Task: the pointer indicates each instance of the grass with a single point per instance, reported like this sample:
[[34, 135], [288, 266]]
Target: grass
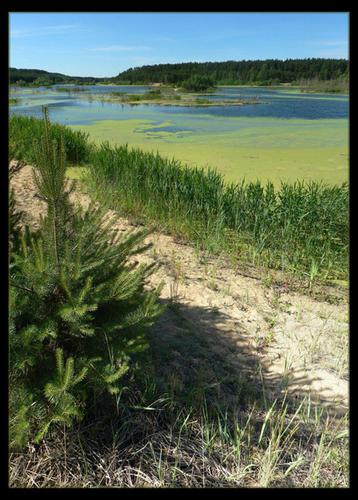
[[76, 172], [25, 130], [170, 439], [300, 228]]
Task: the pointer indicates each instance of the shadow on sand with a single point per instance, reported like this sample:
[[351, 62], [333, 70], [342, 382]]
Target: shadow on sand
[[196, 354]]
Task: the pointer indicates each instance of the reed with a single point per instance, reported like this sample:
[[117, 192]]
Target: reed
[[25, 130], [296, 227]]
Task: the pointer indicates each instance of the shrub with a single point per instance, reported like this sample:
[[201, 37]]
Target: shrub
[[198, 83], [78, 307]]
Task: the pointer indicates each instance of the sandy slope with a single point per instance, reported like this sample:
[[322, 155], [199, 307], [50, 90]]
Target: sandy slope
[[291, 340]]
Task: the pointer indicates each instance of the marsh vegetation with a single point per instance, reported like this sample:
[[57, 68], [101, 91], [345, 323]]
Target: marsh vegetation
[[300, 228]]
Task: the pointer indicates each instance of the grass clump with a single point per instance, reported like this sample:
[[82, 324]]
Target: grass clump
[[25, 130]]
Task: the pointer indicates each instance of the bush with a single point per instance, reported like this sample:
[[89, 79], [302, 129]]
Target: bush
[[78, 307], [198, 83]]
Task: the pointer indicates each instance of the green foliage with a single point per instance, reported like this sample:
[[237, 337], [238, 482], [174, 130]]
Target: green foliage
[[198, 83], [286, 228], [36, 77], [24, 130], [78, 307], [134, 97], [268, 72], [338, 85]]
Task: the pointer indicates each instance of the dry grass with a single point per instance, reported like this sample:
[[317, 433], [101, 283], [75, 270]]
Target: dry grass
[[164, 447]]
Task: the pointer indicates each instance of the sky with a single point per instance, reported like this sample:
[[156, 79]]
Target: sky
[[104, 44]]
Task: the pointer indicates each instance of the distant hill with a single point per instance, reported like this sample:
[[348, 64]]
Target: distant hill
[[45, 77], [263, 72]]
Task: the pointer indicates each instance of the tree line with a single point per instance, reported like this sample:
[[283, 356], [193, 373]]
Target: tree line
[[240, 72], [42, 78], [265, 72]]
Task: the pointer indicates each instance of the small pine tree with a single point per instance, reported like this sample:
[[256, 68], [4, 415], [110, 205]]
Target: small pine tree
[[78, 307]]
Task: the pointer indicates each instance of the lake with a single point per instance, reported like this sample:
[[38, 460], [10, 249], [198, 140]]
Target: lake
[[287, 136]]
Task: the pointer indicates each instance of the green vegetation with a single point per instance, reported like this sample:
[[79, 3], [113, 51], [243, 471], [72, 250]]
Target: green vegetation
[[186, 95], [153, 94], [169, 95], [25, 130], [334, 86], [157, 95], [180, 414], [78, 308], [184, 439], [14, 100], [266, 72], [37, 77], [200, 100], [150, 94], [295, 228], [198, 83]]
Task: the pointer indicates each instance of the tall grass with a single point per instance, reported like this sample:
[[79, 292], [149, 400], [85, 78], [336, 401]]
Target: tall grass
[[300, 227], [24, 130]]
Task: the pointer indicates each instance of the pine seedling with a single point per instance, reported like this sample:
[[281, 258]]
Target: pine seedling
[[74, 296]]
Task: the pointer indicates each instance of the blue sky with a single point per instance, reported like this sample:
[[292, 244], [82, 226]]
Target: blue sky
[[103, 44]]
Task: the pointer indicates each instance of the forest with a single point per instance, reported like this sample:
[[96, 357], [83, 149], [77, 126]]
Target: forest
[[269, 71], [265, 72], [37, 77]]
